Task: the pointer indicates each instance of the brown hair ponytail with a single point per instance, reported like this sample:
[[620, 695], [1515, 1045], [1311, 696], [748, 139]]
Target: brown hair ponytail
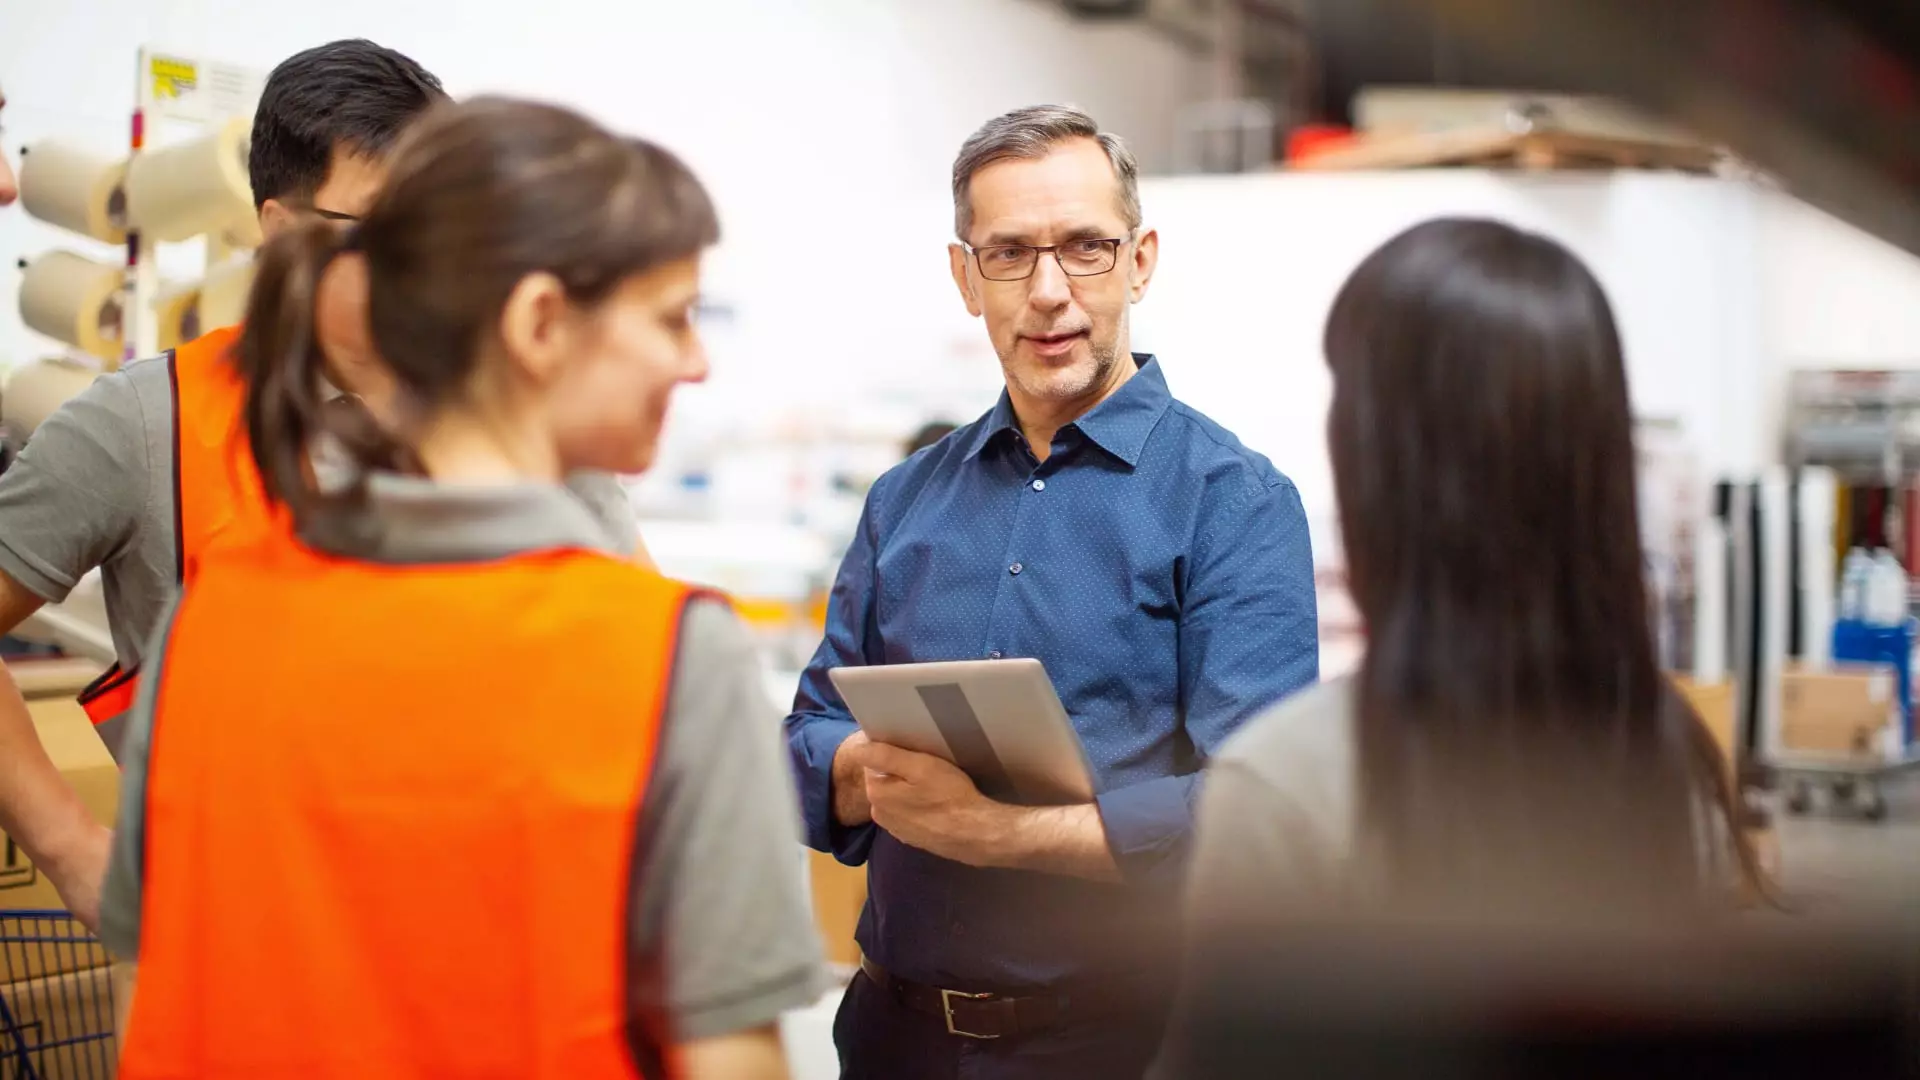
[[282, 360]]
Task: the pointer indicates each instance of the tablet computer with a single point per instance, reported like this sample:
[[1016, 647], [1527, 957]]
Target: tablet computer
[[998, 720]]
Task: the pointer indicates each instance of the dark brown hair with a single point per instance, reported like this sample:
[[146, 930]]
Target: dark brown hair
[[1516, 734], [480, 195], [352, 95]]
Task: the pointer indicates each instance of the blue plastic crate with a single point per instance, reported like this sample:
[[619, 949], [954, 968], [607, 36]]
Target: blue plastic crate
[[58, 1025]]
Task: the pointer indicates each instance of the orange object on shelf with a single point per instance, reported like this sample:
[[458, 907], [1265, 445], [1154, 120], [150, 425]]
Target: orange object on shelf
[[1310, 139]]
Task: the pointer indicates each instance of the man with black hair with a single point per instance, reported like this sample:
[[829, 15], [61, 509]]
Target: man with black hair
[[142, 470]]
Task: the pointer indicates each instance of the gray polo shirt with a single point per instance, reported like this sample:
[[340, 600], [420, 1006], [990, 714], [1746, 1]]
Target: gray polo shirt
[[719, 906], [95, 488]]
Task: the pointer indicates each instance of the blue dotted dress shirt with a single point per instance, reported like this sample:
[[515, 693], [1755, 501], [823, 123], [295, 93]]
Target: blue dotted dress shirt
[[1161, 572]]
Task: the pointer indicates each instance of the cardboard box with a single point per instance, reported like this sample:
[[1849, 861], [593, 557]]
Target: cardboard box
[[1715, 704], [81, 757], [65, 1025], [839, 893], [1845, 712]]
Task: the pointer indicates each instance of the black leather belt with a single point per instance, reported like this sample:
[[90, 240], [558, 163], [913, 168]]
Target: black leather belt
[[977, 1016]]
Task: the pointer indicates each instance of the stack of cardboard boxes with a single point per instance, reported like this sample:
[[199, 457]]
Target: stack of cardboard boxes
[[58, 985]]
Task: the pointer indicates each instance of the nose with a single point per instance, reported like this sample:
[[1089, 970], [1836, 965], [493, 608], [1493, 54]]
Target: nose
[[9, 188], [696, 368], [1048, 288]]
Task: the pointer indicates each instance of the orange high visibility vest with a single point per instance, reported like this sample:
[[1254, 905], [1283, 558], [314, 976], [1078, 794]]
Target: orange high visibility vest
[[421, 867], [215, 485]]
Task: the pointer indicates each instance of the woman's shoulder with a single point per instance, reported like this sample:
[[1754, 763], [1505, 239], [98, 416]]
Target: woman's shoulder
[[1304, 733]]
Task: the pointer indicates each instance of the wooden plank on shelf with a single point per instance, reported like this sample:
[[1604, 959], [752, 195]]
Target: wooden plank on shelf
[[1498, 148]]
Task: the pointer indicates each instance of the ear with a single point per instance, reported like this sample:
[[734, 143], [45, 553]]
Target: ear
[[1146, 258], [275, 216], [962, 280], [538, 326], [346, 335]]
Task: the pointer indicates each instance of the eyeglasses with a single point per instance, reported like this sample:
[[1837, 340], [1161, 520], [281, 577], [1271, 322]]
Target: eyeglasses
[[1077, 258]]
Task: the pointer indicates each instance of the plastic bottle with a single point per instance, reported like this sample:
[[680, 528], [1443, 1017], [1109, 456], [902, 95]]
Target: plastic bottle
[[1887, 596], [1854, 576]]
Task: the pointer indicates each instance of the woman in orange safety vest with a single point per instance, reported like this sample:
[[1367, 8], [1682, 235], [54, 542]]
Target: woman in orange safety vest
[[425, 784]]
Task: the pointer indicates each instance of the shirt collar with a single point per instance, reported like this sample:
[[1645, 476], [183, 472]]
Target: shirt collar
[[1119, 425], [411, 519]]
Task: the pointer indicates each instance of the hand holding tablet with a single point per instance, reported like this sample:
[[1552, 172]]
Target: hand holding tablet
[[1000, 721]]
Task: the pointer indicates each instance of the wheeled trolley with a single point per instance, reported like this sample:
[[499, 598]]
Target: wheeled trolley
[[1846, 780], [57, 1006]]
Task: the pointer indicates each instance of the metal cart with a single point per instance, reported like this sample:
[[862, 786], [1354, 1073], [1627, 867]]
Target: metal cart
[[1865, 426], [1855, 780], [1854, 775], [57, 1026]]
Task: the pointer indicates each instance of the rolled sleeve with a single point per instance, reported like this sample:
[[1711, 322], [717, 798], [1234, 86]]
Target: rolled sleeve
[[1249, 637], [1147, 826], [78, 492], [820, 721]]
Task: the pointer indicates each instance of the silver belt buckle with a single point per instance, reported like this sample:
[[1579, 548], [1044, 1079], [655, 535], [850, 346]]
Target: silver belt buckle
[[946, 1005]]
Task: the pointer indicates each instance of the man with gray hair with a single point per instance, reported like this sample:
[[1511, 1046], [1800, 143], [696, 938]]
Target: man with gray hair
[[1159, 570]]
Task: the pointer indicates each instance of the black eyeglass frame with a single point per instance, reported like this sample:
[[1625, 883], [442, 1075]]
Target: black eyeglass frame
[[1113, 246]]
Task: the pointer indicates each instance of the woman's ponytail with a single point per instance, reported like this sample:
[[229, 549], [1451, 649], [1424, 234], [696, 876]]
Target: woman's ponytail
[[282, 361]]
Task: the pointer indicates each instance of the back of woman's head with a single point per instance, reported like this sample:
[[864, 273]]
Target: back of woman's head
[[498, 216], [1482, 446], [1514, 723]]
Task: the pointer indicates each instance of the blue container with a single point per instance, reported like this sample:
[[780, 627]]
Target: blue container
[[1856, 642]]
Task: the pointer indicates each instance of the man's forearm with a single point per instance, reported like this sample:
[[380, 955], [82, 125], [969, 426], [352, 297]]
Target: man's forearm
[[1068, 840], [38, 808]]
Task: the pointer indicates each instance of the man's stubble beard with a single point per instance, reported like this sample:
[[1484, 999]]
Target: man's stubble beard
[[1104, 358]]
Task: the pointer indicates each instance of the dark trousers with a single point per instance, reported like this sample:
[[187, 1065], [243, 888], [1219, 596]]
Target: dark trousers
[[879, 1039]]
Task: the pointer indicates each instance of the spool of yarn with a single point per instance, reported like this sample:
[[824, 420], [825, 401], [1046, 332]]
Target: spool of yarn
[[176, 315], [223, 295], [73, 299], [74, 189], [35, 390], [182, 191], [244, 233]]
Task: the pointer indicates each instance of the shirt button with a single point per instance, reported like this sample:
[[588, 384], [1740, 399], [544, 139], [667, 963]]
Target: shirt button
[[1039, 485], [1015, 568], [994, 655]]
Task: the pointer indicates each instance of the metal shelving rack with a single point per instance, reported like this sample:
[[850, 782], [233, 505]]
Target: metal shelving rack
[[1865, 426]]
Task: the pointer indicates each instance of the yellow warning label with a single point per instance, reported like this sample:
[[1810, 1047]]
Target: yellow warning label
[[173, 78]]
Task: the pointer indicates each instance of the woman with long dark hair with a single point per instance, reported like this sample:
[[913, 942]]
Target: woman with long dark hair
[[1509, 749]]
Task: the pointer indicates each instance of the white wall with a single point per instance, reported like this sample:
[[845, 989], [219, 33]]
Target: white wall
[[1250, 266], [830, 124], [811, 119], [1836, 297]]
